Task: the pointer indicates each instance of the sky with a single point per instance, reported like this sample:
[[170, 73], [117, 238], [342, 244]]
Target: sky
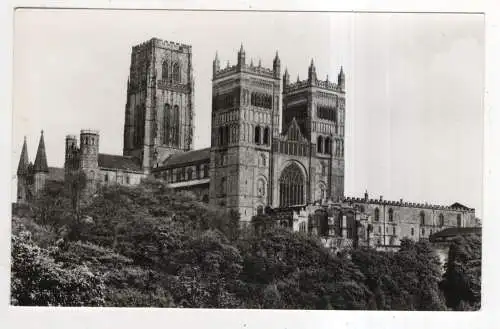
[[414, 99]]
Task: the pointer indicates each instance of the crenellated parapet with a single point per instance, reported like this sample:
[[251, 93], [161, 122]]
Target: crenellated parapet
[[156, 42], [302, 84], [407, 204]]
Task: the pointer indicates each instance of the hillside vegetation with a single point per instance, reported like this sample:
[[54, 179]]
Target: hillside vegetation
[[148, 246]]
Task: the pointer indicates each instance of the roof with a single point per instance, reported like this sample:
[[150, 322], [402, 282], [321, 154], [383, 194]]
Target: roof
[[459, 205], [455, 231], [41, 157], [179, 159], [24, 162], [121, 162], [56, 174]]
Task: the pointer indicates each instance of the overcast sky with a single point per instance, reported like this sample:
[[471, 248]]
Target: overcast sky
[[414, 85]]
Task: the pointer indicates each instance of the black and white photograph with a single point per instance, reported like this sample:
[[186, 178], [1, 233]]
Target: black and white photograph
[[247, 159]]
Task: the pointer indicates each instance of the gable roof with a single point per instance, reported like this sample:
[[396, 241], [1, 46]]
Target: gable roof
[[459, 205], [121, 162], [180, 159], [41, 157], [293, 131]]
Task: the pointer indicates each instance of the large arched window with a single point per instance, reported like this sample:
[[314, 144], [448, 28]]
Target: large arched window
[[166, 124], [320, 144], [328, 145], [257, 135], [221, 136], [175, 125], [441, 220], [459, 220], [291, 186], [377, 214], [391, 215], [261, 188], [164, 70], [422, 218], [176, 73], [139, 125], [266, 136]]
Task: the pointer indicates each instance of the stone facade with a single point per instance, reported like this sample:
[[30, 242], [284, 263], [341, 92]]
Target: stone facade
[[253, 163]]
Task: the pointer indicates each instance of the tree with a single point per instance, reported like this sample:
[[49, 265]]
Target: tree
[[36, 279], [462, 279]]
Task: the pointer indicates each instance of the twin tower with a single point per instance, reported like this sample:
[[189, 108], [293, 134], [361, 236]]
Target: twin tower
[[253, 161]]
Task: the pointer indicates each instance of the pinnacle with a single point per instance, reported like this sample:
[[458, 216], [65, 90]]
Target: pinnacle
[[41, 157]]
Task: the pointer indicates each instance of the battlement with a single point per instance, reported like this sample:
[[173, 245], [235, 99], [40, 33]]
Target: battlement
[[301, 84], [402, 203], [156, 42], [257, 70], [89, 132]]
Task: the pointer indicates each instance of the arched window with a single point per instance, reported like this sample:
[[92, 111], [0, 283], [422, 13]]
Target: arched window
[[176, 73], [262, 160], [139, 125], [377, 214], [261, 188], [164, 70], [441, 220], [328, 145], [166, 124], [266, 136], [175, 126], [422, 218], [106, 177], [320, 144], [198, 172], [391, 215], [257, 135], [190, 173], [260, 210], [205, 171], [394, 230], [459, 220], [221, 136], [412, 231], [127, 179], [291, 186], [205, 198]]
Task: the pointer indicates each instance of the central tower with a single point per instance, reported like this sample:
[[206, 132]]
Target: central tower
[[245, 117], [159, 111]]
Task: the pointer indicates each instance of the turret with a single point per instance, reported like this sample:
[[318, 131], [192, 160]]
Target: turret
[[241, 57], [366, 196], [71, 159], [277, 66], [312, 73], [89, 154], [286, 78], [40, 168], [341, 79], [216, 64]]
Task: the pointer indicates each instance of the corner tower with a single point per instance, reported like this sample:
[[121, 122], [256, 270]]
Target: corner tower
[[245, 117], [159, 111], [318, 107]]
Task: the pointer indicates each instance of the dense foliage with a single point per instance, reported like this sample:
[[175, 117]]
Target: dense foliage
[[149, 246]]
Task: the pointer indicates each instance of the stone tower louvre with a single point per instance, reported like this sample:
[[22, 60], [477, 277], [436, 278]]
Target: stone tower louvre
[[159, 110], [318, 107], [245, 117]]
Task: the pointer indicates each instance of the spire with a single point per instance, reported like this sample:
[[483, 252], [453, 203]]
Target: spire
[[277, 66], [41, 157], [241, 56], [251, 62], [312, 72], [286, 78], [341, 79], [22, 168], [216, 64]]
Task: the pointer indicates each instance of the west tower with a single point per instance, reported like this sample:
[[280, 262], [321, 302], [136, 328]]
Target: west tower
[[159, 110], [318, 108], [245, 117]]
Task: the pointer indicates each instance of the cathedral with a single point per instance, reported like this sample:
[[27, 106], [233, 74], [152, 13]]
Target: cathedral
[[253, 163]]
